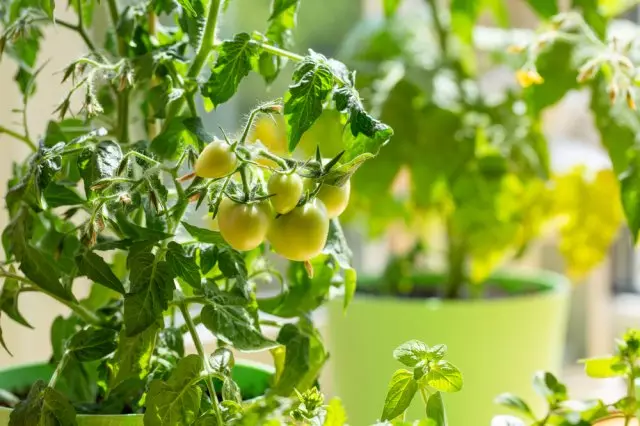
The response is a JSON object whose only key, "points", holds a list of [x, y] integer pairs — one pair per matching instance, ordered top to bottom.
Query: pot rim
{"points": [[550, 285], [243, 362]]}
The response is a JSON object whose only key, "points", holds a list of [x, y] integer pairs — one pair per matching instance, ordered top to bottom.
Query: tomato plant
{"points": [[114, 190]]}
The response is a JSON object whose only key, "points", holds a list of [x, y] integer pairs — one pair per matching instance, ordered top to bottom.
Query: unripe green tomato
{"points": [[216, 160], [286, 190], [335, 198], [244, 226], [300, 234]]}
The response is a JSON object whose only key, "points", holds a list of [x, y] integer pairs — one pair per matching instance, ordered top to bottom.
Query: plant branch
{"points": [[439, 26], [278, 52], [202, 54], [18, 136], [84, 313], [200, 349], [61, 365]]}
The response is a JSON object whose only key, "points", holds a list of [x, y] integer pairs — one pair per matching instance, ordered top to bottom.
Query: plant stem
{"points": [[80, 28], [440, 29], [206, 45], [279, 52], [123, 96], [18, 136], [245, 183], [78, 309], [200, 349], [61, 365]]}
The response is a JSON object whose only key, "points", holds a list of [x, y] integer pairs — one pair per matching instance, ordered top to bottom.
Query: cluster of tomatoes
{"points": [[295, 223]]}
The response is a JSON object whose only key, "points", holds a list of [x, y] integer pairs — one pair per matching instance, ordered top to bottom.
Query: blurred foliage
{"points": [[474, 159]]}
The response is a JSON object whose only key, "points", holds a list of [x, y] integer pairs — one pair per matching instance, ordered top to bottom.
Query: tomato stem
{"points": [[205, 48], [18, 136], [245, 182]]}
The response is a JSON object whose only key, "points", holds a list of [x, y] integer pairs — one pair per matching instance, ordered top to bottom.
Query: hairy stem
{"points": [[202, 54], [18, 136], [78, 309], [200, 349], [59, 368]]}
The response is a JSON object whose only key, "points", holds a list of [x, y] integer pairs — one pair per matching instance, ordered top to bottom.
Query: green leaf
{"points": [[48, 7], [188, 7], [390, 7], [544, 9], [591, 12], [280, 33], [235, 58], [556, 67], [312, 82], [348, 100], [175, 138], [99, 162], [58, 195], [630, 198], [205, 235], [337, 246], [208, 258], [182, 265], [95, 268], [43, 271], [350, 286], [151, 289], [304, 293], [9, 300], [234, 325], [2, 342], [92, 343], [411, 353], [304, 356], [132, 359], [222, 361], [602, 368], [444, 377], [548, 386], [231, 390], [400, 393], [176, 401], [516, 403], [43, 406], [435, 410], [336, 414]]}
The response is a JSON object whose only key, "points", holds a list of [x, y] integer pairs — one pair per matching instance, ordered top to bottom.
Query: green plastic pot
{"points": [[498, 344], [253, 379]]}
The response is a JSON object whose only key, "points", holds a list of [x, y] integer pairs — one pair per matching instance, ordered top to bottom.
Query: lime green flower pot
{"points": [[497, 343], [253, 379]]}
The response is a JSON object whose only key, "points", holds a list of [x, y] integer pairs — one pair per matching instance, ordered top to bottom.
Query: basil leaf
{"points": [[235, 58], [95, 268], [411, 353], [444, 377], [400, 393], [176, 401], [515, 403], [435, 410]]}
